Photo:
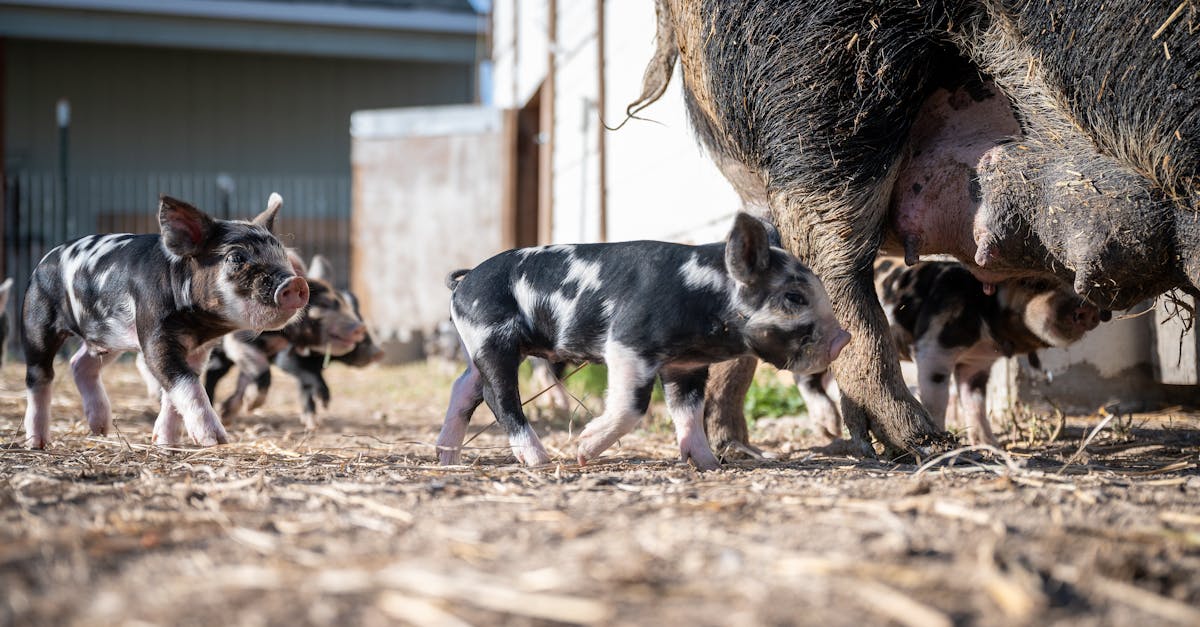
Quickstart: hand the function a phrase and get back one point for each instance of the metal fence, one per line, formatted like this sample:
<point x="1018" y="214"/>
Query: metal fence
<point x="38" y="216"/>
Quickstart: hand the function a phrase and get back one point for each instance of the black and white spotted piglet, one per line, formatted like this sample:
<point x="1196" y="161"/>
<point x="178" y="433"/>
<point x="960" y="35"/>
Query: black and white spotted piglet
<point x="646" y="309"/>
<point x="954" y="328"/>
<point x="170" y="295"/>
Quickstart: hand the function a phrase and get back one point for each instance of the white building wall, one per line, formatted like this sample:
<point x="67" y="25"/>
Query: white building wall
<point x="520" y="50"/>
<point x="661" y="185"/>
<point x="576" y="126"/>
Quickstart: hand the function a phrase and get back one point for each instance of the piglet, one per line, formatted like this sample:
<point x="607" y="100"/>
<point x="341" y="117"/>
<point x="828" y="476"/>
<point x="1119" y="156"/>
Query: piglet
<point x="955" y="327"/>
<point x="170" y="295"/>
<point x="646" y="309"/>
<point x="330" y="328"/>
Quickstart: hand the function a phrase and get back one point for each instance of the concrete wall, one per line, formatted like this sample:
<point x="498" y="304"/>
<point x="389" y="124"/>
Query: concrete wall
<point x="429" y="193"/>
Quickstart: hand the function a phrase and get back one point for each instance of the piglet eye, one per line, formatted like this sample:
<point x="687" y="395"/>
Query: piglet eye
<point x="796" y="298"/>
<point x="236" y="258"/>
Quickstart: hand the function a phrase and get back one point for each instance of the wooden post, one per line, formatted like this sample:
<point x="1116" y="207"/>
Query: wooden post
<point x="601" y="104"/>
<point x="546" y="154"/>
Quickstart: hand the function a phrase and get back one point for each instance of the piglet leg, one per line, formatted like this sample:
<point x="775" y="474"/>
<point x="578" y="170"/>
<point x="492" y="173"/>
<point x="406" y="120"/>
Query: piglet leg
<point x="85" y="367"/>
<point x="179" y="371"/>
<point x="821" y="408"/>
<point x="41" y="341"/>
<point x="972" y="390"/>
<point x="630" y="381"/>
<point x="497" y="361"/>
<point x="934" y="366"/>
<point x="166" y="426"/>
<point x="685" y="401"/>
<point x="465" y="396"/>
<point x="37" y="416"/>
<point x="153" y="389"/>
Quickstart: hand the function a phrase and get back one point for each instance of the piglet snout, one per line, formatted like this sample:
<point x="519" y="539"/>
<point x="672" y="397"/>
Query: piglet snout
<point x="292" y="293"/>
<point x="357" y="333"/>
<point x="1087" y="317"/>
<point x="839" y="342"/>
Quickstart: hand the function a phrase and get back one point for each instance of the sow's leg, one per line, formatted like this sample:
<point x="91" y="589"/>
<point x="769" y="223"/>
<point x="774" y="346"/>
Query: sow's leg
<point x="874" y="395"/>
<point x="724" y="407"/>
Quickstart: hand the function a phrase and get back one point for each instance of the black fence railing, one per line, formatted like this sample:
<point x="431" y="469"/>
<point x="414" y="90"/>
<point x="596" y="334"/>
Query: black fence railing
<point x="38" y="217"/>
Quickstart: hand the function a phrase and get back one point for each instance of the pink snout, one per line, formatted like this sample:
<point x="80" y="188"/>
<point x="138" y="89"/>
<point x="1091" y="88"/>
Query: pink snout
<point x="839" y="342"/>
<point x="292" y="293"/>
<point x="1087" y="317"/>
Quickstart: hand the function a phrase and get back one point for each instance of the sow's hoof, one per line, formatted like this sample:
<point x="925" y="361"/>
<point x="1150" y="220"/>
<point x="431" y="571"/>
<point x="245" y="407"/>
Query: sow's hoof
<point x="924" y="447"/>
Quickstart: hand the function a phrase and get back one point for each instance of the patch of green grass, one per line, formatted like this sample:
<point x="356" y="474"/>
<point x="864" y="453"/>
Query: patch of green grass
<point x="769" y="398"/>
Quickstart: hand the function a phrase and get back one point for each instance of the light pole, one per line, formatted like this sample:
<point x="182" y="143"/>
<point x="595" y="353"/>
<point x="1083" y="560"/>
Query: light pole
<point x="62" y="112"/>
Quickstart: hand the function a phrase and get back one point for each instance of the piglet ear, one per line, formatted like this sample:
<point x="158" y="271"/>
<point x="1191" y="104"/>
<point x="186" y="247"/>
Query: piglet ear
<point x="185" y="229"/>
<point x="748" y="249"/>
<point x="320" y="268"/>
<point x="267" y="218"/>
<point x="297" y="262"/>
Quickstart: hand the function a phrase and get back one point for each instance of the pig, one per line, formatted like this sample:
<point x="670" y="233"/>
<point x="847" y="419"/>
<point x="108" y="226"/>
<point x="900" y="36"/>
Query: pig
<point x="5" y="292"/>
<point x="307" y="369"/>
<point x="170" y="295"/>
<point x="1025" y="139"/>
<point x="945" y="320"/>
<point x="330" y="326"/>
<point x="646" y="309"/>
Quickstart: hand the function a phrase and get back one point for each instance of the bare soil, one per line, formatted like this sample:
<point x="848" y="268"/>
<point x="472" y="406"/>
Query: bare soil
<point x="355" y="524"/>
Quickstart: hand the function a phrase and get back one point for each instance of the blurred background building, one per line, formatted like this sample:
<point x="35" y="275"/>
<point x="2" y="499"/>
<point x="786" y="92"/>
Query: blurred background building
<point x="108" y="103"/>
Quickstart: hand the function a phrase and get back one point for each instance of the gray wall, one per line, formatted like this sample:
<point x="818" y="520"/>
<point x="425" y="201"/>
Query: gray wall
<point x="167" y="110"/>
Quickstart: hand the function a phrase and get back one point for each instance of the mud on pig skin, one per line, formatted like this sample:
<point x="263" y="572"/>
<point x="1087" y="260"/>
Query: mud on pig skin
<point x="1075" y="154"/>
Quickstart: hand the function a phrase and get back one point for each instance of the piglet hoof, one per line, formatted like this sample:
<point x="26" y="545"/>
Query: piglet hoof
<point x="449" y="457"/>
<point x="35" y="442"/>
<point x="704" y="460"/>
<point x="528" y="448"/>
<point x="210" y="437"/>
<point x="310" y="420"/>
<point x="591" y="444"/>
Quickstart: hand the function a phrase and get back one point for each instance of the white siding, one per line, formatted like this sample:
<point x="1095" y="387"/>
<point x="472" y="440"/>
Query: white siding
<point x="576" y="126"/>
<point x="661" y="185"/>
<point x="519" y="50"/>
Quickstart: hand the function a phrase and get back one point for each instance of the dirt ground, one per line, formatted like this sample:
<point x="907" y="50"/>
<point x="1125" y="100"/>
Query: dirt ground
<point x="355" y="524"/>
